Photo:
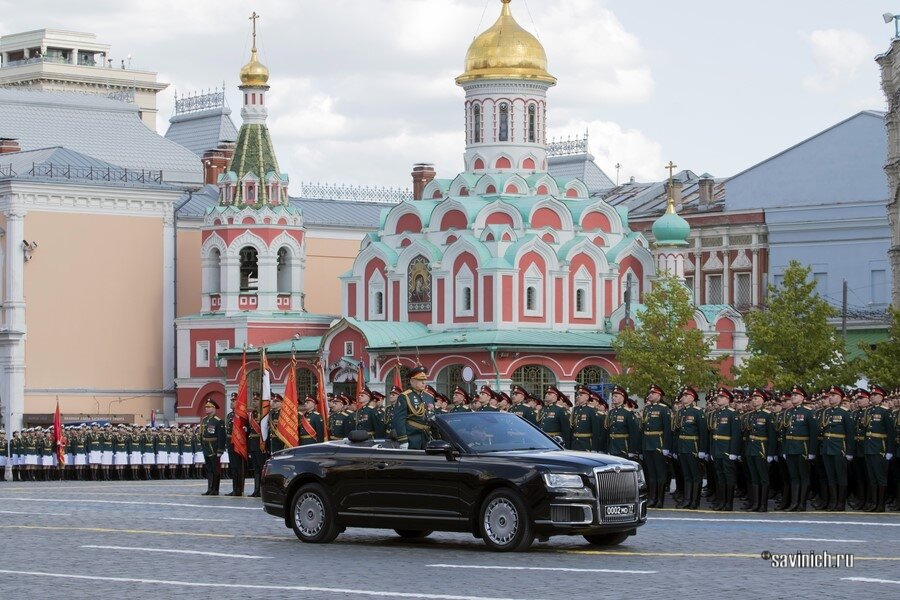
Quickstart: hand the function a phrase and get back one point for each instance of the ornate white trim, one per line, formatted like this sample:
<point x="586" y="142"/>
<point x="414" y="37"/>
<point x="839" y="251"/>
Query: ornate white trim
<point x="713" y="263"/>
<point x="73" y="198"/>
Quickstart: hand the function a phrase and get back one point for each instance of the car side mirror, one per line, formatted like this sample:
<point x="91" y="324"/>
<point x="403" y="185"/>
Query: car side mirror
<point x="437" y="447"/>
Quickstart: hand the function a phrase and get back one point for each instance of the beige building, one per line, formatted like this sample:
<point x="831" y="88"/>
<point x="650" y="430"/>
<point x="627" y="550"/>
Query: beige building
<point x="890" y="83"/>
<point x="56" y="60"/>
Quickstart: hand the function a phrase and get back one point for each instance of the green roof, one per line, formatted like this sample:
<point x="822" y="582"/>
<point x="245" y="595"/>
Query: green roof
<point x="254" y="154"/>
<point x="383" y="334"/>
<point x="612" y="255"/>
<point x="505" y="338"/>
<point x="711" y="311"/>
<point x="868" y="337"/>
<point x="304" y="345"/>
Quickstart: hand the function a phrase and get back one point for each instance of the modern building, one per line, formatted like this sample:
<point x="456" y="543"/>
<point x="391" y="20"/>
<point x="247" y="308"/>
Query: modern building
<point x="56" y="60"/>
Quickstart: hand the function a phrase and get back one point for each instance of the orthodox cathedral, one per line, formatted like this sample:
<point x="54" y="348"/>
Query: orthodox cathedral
<point x="501" y="275"/>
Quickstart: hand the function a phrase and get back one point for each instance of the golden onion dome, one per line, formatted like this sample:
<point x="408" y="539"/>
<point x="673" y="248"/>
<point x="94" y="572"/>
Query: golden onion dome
<point x="506" y="51"/>
<point x="254" y="73"/>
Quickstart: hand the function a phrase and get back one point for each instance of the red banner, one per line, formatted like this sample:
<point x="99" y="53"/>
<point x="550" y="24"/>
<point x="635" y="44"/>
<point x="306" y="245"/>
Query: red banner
<point x="290" y="409"/>
<point x="238" y="435"/>
<point x="321" y="398"/>
<point x="58" y="439"/>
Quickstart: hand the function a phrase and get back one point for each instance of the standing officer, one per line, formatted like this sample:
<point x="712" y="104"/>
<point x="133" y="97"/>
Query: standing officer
<point x="311" y="426"/>
<point x="656" y="440"/>
<point x="410" y="421"/>
<point x="800" y="438"/>
<point x="622" y="428"/>
<point x="255" y="452"/>
<point x="879" y="446"/>
<point x="390" y="404"/>
<point x="725" y="447"/>
<point x="861" y="487"/>
<point x="517" y="397"/>
<point x="837" y="447"/>
<point x="555" y="419"/>
<point x="338" y="421"/>
<point x="238" y="464"/>
<point x="460" y="400"/>
<point x="585" y="426"/>
<point x="760" y="451"/>
<point x="213" y="438"/>
<point x="366" y="418"/>
<point x="690" y="446"/>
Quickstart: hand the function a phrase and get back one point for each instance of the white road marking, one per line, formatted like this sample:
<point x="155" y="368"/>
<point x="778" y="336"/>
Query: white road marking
<point x="168" y="550"/>
<point x="777" y="522"/>
<point x="17" y="512"/>
<point x="95" y="501"/>
<point x="187" y="519"/>
<point x="290" y="588"/>
<point x="870" y="580"/>
<point x="820" y="540"/>
<point x="568" y="570"/>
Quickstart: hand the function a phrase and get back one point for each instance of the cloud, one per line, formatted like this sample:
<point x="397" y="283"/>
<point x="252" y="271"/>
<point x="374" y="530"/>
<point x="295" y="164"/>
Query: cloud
<point x="839" y="55"/>
<point x="639" y="156"/>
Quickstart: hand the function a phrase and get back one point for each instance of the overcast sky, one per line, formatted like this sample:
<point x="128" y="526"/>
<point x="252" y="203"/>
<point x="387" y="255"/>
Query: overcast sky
<point x="362" y="89"/>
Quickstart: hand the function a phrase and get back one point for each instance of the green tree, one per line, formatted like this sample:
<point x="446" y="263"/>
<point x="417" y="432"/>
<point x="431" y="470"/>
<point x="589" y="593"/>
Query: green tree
<point x="881" y="365"/>
<point x="791" y="342"/>
<point x="664" y="349"/>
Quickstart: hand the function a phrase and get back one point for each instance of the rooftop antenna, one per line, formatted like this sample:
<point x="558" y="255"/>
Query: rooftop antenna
<point x="618" y="166"/>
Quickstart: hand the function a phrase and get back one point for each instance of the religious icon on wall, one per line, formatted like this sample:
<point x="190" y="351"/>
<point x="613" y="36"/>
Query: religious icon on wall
<point x="419" y="285"/>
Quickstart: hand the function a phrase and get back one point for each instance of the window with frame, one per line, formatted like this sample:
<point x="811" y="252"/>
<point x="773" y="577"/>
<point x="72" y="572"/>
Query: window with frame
<point x="584" y="298"/>
<point x="878" y="286"/>
<point x="284" y="270"/>
<point x="376" y="296"/>
<point x="534" y="283"/>
<point x="689" y="283"/>
<point x="532" y="118"/>
<point x="714" y="291"/>
<point x="250" y="196"/>
<point x="202" y="357"/>
<point x="503" y="129"/>
<point x="449" y="378"/>
<point x="743" y="290"/>
<point x="215" y="271"/>
<point x="348" y="348"/>
<point x="464" y="283"/>
<point x="249" y="269"/>
<point x="534" y="378"/>
<point x="221" y="346"/>
<point x="821" y="283"/>
<point x="476" y="123"/>
<point x="306" y="383"/>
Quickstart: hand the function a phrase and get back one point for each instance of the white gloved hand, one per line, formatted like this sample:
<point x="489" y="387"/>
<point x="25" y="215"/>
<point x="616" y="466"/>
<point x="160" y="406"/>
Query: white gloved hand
<point x="888" y="456"/>
<point x="849" y="457"/>
<point x="404" y="446"/>
<point x="811" y="456"/>
<point x="784" y="456"/>
<point x="630" y="455"/>
<point x="667" y="453"/>
<point x="770" y="458"/>
<point x="702" y="455"/>
<point x="732" y="457"/>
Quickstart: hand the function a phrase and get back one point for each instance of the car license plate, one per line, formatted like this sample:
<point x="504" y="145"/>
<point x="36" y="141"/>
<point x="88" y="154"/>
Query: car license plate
<point x="619" y="510"/>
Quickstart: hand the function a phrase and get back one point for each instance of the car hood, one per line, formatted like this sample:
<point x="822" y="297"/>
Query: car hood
<point x="564" y="458"/>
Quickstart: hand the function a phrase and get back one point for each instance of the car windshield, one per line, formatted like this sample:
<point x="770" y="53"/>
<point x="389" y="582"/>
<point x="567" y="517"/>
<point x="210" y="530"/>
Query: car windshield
<point x="496" y="432"/>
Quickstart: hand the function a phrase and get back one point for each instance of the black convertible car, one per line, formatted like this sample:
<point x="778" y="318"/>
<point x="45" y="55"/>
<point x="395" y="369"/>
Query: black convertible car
<point x="492" y="474"/>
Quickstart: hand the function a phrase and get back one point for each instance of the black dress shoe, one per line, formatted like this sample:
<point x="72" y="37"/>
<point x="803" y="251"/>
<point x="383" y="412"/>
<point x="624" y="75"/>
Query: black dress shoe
<point x="206" y="493"/>
<point x="231" y="494"/>
<point x="255" y="494"/>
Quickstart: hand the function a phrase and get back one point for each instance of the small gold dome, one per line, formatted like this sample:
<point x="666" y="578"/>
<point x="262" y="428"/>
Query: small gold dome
<point x="506" y="51"/>
<point x="254" y="73"/>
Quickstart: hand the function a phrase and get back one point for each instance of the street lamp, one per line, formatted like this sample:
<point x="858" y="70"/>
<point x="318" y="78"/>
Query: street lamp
<point x="888" y="17"/>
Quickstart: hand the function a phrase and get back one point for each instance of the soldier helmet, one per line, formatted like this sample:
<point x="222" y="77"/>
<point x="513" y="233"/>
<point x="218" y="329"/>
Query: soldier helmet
<point x="463" y="393"/>
<point x="419" y="372"/>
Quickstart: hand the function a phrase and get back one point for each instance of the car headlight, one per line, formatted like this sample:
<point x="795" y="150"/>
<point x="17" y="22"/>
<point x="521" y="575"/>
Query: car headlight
<point x="559" y="480"/>
<point x="640" y="477"/>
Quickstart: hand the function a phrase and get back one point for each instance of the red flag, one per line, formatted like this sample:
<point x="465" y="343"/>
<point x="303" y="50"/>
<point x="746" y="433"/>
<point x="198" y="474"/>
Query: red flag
<point x="360" y="380"/>
<point x="287" y="428"/>
<point x="238" y="436"/>
<point x="397" y="381"/>
<point x="321" y="398"/>
<point x="58" y="439"/>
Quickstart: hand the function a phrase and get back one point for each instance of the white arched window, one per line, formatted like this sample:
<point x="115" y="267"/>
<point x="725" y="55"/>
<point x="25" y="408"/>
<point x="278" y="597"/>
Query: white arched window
<point x="532" y="119"/>
<point x="503" y="129"/>
<point x="476" y="124"/>
<point x="249" y="269"/>
<point x="534" y="292"/>
<point x="376" y="296"/>
<point x="464" y="283"/>
<point x="630" y="284"/>
<point x="584" y="293"/>
<point x="284" y="270"/>
<point x="215" y="271"/>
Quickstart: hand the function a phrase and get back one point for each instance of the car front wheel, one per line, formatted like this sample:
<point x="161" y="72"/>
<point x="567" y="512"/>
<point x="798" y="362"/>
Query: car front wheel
<point x="505" y="523"/>
<point x="606" y="539"/>
<point x="312" y="515"/>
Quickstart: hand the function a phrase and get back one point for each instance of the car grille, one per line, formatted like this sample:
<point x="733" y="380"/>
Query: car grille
<point x="562" y="513"/>
<point x="617" y="487"/>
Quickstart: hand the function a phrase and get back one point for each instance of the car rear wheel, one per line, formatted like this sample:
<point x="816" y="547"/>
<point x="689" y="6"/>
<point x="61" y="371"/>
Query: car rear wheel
<point x="413" y="534"/>
<point x="606" y="539"/>
<point x="505" y="523"/>
<point x="312" y="515"/>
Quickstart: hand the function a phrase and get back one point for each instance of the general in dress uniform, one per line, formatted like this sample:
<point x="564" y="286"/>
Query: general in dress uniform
<point x="212" y="434"/>
<point x="410" y="422"/>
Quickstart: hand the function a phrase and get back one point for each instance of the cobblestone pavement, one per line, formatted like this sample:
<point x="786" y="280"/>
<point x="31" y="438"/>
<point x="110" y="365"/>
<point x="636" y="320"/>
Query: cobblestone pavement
<point x="165" y="540"/>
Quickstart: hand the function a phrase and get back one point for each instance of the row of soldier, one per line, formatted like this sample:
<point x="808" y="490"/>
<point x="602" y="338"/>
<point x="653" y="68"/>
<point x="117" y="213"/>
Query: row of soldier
<point x="103" y="452"/>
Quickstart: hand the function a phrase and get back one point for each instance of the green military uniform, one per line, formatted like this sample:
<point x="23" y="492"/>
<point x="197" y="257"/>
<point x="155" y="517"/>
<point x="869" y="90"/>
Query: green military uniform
<point x="761" y="446"/>
<point x="410" y="421"/>
<point x="212" y="432"/>
<point x="520" y="408"/>
<point x="690" y="443"/>
<point x="838" y="441"/>
<point x="312" y="428"/>
<point x="236" y="462"/>
<point x="586" y="432"/>
<point x="555" y="422"/>
<point x="338" y="425"/>
<point x="622" y="433"/>
<point x="879" y="447"/>
<point x="367" y="419"/>
<point x="725" y="446"/>
<point x="656" y="439"/>
<point x="799" y="435"/>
